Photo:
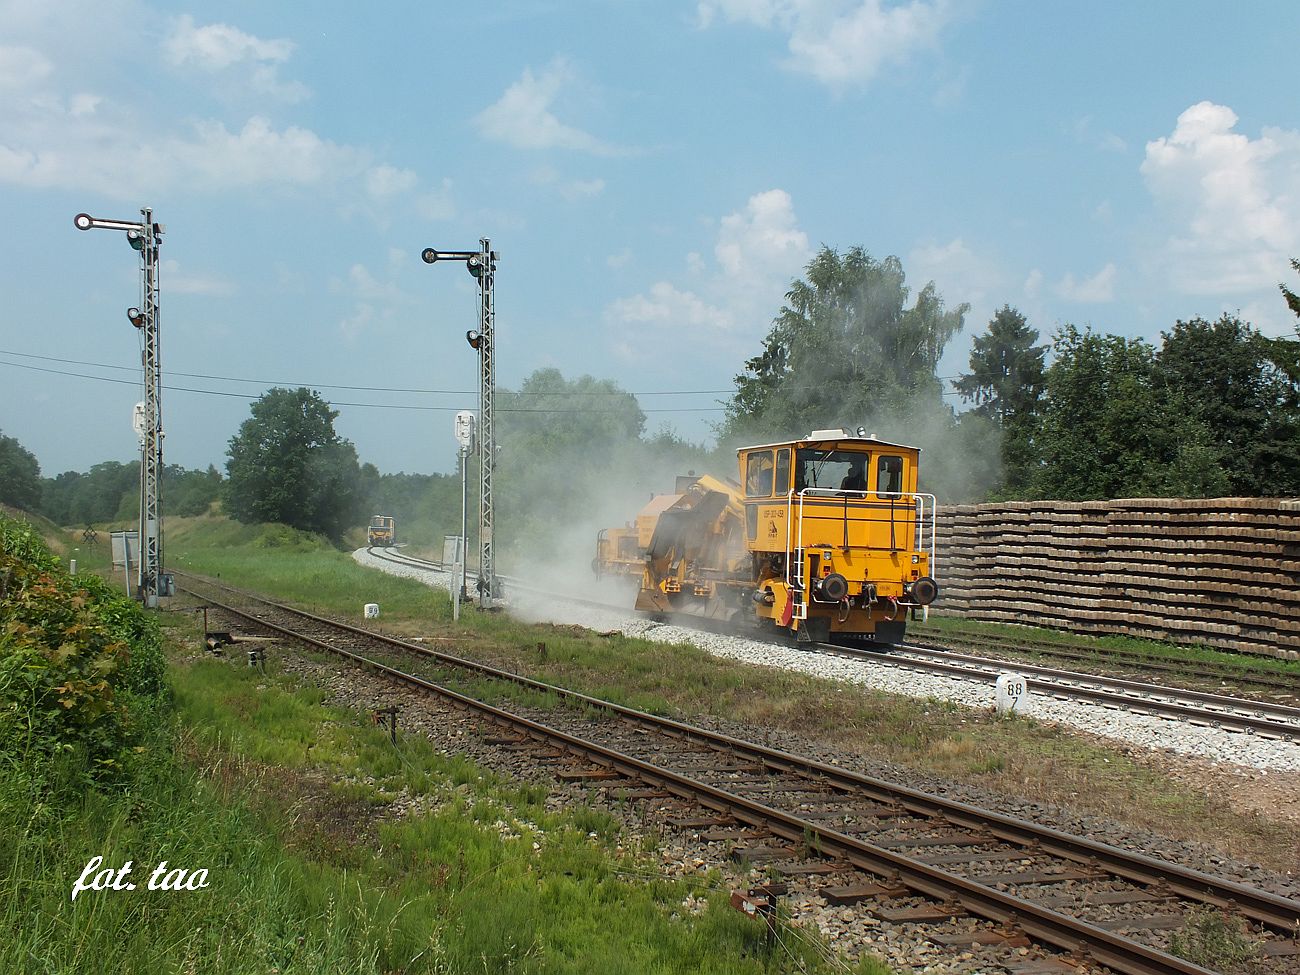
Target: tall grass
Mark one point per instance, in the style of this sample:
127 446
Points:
1022 757
282 800
284 803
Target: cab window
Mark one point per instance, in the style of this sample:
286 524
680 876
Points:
783 471
889 475
758 475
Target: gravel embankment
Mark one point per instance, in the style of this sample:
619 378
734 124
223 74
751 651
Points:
1139 730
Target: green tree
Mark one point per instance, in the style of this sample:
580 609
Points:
846 348
1234 382
1292 299
575 458
1006 369
1111 427
108 491
20 475
287 465
1005 383
189 492
1096 417
559 443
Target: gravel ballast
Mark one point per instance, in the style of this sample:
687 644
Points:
1139 730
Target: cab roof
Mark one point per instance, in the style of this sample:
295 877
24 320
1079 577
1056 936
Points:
831 436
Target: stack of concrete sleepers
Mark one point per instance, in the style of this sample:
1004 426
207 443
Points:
1222 572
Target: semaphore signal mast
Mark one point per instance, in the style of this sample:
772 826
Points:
482 264
145 236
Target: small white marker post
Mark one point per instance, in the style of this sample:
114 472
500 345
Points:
372 611
1010 694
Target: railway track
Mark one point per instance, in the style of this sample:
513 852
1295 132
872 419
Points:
1198 707
930 859
1264 718
1286 688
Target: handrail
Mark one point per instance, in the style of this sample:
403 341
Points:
924 506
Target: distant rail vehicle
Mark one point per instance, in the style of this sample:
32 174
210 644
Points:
382 530
825 538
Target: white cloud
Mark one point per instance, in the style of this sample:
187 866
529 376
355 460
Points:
22 67
84 104
666 305
177 281
761 240
1086 134
1033 285
378 301
59 131
840 42
957 272
438 204
759 250
384 182
571 190
1230 202
1112 143
92 145
217 48
1098 289
523 116
258 154
581 189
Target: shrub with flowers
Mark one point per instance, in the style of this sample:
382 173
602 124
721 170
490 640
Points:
81 666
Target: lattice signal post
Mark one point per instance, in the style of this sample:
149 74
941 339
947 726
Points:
482 264
145 236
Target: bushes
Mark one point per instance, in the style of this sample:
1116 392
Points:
81 667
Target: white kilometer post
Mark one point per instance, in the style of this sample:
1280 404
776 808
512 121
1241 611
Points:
372 611
1011 693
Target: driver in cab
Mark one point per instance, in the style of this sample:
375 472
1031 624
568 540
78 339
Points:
856 478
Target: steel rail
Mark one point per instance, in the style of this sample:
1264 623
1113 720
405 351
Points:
954 642
1279 913
1189 712
1284 712
1286 725
1061 931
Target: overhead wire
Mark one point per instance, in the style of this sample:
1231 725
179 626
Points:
370 389
374 406
385 389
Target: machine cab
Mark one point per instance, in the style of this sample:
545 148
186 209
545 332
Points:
382 530
837 529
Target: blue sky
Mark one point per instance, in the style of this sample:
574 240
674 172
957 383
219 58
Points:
653 174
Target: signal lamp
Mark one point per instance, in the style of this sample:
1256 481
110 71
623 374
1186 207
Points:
135 239
428 255
475 265
84 221
474 339
136 317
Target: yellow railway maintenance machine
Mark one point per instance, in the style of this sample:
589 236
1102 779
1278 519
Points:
825 537
382 530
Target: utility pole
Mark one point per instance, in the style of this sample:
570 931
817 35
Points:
145 236
482 264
